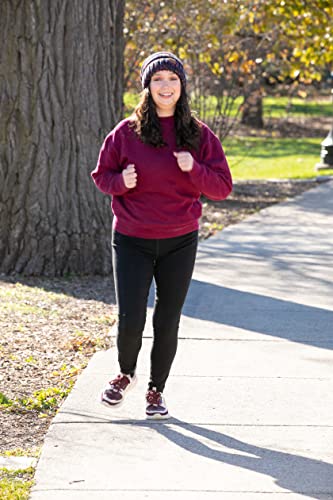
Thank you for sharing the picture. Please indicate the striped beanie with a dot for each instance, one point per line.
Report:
(161, 61)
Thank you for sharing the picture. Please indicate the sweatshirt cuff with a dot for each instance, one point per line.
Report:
(196, 171)
(119, 187)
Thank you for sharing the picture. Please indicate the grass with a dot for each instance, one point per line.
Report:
(273, 158)
(16, 485)
(13, 301)
(274, 107)
(279, 107)
(40, 401)
(276, 158)
(20, 452)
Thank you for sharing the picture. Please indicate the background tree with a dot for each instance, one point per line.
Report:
(193, 29)
(61, 90)
(234, 48)
(281, 42)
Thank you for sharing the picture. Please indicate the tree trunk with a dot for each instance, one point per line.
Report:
(252, 110)
(61, 91)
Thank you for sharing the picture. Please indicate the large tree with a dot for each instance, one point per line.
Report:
(61, 90)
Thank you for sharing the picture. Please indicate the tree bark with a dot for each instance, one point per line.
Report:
(61, 91)
(252, 110)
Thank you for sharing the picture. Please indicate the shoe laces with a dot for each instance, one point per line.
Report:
(154, 397)
(119, 383)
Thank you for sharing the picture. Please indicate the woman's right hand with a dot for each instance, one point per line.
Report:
(130, 176)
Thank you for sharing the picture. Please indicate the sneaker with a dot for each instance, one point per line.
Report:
(114, 393)
(155, 405)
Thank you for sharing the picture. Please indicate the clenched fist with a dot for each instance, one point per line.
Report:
(184, 160)
(130, 176)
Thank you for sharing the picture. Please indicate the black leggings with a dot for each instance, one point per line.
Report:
(136, 261)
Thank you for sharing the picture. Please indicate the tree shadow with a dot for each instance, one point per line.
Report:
(291, 472)
(261, 314)
(304, 257)
(214, 303)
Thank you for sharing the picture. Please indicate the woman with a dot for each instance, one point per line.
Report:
(156, 164)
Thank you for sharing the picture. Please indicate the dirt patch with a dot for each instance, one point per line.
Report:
(51, 328)
(49, 331)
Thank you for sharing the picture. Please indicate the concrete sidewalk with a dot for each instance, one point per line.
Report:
(251, 390)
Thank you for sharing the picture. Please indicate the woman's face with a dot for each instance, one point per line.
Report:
(165, 89)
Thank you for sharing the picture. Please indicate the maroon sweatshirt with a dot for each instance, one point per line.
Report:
(165, 201)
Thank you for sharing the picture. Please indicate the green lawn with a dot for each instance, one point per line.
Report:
(278, 107)
(275, 158)
(274, 107)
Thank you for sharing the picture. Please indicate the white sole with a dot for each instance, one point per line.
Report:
(157, 416)
(110, 405)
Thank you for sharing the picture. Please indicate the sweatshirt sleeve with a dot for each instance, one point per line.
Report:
(210, 173)
(108, 174)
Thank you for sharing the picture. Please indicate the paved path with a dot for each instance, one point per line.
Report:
(251, 390)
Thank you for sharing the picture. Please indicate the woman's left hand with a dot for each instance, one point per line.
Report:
(184, 160)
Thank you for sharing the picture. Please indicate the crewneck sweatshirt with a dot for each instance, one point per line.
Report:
(165, 201)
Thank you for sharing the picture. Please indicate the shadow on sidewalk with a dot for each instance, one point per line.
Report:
(291, 472)
(261, 314)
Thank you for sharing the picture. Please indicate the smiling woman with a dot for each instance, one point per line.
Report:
(165, 88)
(156, 164)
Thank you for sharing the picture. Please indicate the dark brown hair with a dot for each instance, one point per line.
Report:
(146, 122)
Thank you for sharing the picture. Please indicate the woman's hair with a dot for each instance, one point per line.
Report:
(147, 125)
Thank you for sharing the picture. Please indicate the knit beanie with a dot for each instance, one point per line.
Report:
(161, 61)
